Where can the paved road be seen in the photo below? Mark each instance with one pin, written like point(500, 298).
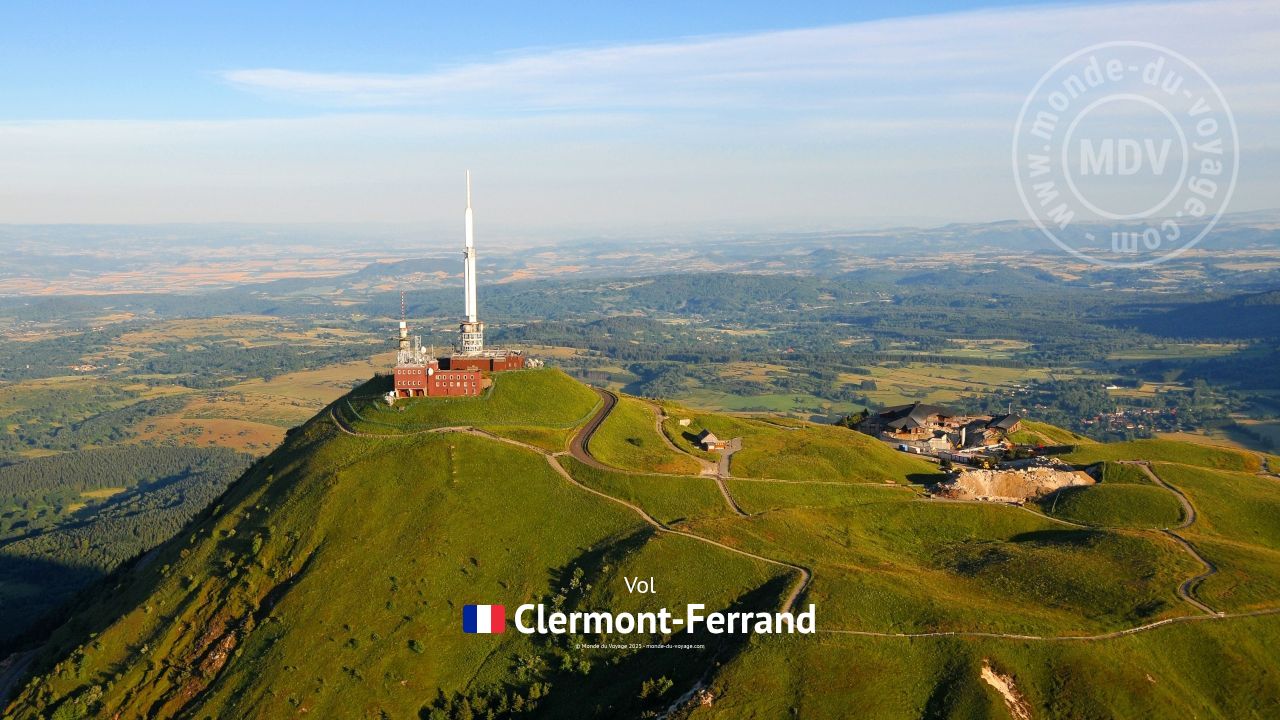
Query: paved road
point(578, 445)
point(719, 470)
point(580, 448)
point(731, 447)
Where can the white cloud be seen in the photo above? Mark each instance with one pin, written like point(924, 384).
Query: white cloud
point(836, 126)
point(958, 54)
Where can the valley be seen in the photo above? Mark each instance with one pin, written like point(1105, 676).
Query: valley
point(287, 373)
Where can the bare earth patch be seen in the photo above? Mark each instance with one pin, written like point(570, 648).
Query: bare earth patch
point(1012, 486)
point(1018, 707)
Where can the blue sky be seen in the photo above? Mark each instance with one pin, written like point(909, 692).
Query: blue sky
point(147, 60)
point(613, 118)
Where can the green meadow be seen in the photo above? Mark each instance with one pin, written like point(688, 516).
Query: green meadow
point(1118, 505)
point(1215, 669)
point(329, 580)
point(1166, 451)
point(666, 498)
point(801, 451)
point(627, 440)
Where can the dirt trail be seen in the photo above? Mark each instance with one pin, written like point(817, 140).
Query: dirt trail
point(1188, 586)
point(1265, 469)
point(805, 576)
point(579, 447)
point(1058, 638)
point(579, 442)
point(731, 447)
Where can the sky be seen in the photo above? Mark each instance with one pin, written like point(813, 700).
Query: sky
point(574, 118)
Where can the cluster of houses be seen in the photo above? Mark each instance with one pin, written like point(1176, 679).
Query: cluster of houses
point(1136, 420)
point(940, 431)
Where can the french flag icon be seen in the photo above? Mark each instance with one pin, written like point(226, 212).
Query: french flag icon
point(484, 619)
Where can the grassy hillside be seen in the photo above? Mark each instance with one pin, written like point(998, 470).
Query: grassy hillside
point(1209, 670)
point(361, 551)
point(802, 452)
point(1118, 505)
point(1115, 473)
point(757, 496)
point(1167, 451)
point(627, 439)
point(886, 560)
point(328, 582)
point(1038, 433)
point(668, 499)
point(1235, 506)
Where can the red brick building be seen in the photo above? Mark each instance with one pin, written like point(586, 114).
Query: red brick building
point(428, 380)
point(490, 361)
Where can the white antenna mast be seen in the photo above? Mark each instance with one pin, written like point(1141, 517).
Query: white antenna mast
point(469, 258)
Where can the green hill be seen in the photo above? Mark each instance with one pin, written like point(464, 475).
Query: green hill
point(627, 440)
point(1118, 505)
point(799, 451)
point(329, 580)
point(1168, 451)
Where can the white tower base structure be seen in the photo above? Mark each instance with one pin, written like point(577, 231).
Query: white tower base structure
point(471, 331)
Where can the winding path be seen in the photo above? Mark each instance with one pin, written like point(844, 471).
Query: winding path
point(579, 444)
point(580, 449)
point(1062, 638)
point(1188, 586)
point(718, 470)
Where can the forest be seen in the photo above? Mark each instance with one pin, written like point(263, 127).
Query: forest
point(68, 519)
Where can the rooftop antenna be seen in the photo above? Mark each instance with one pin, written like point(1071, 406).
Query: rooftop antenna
point(402, 317)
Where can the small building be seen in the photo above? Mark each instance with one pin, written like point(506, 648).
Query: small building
point(707, 440)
